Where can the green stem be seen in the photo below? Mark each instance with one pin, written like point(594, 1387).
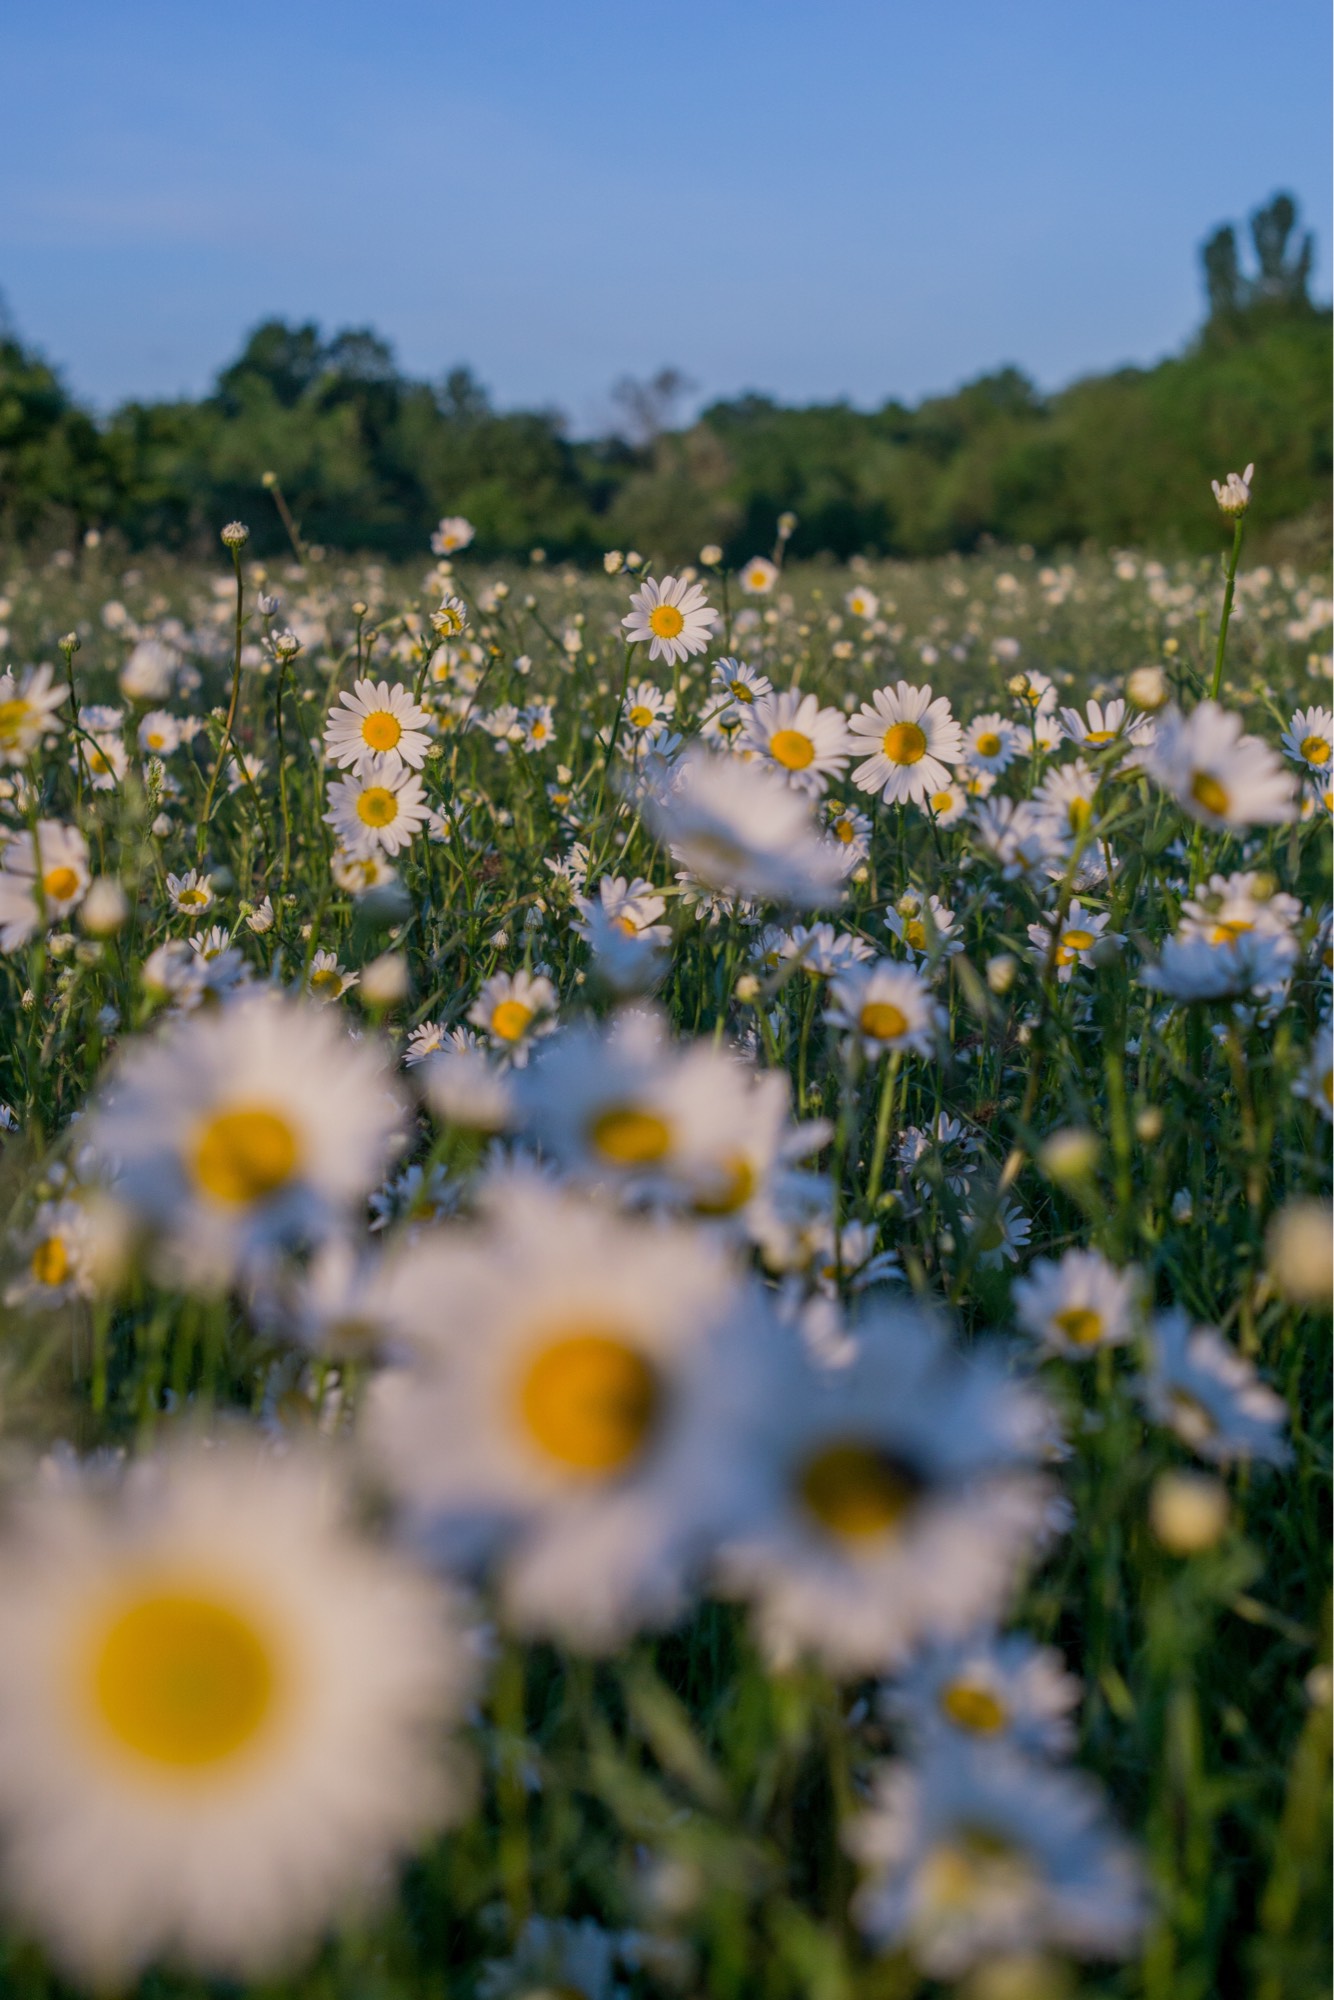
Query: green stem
point(1223, 622)
point(230, 723)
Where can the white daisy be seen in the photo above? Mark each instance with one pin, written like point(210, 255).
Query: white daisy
point(103, 758)
point(566, 1418)
point(621, 926)
point(378, 728)
point(736, 682)
point(758, 577)
point(1099, 725)
point(947, 806)
point(1228, 906)
point(887, 1007)
point(1251, 965)
point(792, 733)
point(974, 1853)
point(225, 1694)
point(43, 876)
point(539, 726)
point(1081, 932)
point(377, 812)
point(191, 894)
point(997, 1236)
point(159, 733)
point(236, 1130)
point(1309, 739)
point(1210, 1395)
point(671, 618)
point(1066, 799)
point(991, 743)
point(53, 1267)
point(453, 534)
point(28, 716)
point(898, 1500)
point(512, 1008)
point(646, 705)
point(915, 739)
point(465, 1089)
point(861, 602)
point(1079, 1305)
point(1218, 775)
point(740, 830)
point(924, 927)
point(849, 827)
point(358, 874)
point(987, 1688)
point(327, 979)
point(1316, 1082)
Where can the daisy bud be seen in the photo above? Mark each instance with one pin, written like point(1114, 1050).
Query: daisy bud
point(359, 609)
point(1188, 1511)
point(1183, 1205)
point(1001, 972)
point(1298, 1251)
point(1147, 688)
point(385, 980)
point(1021, 1976)
point(787, 524)
point(235, 535)
point(710, 555)
point(1149, 1124)
point(633, 559)
point(105, 907)
point(268, 480)
point(613, 562)
point(747, 987)
point(69, 644)
point(1234, 495)
point(286, 645)
point(1069, 1156)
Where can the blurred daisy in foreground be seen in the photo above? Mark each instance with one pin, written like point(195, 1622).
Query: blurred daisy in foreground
point(988, 1688)
point(620, 926)
point(1210, 1395)
point(1316, 1082)
point(211, 1684)
point(744, 832)
point(564, 1406)
point(1073, 944)
point(972, 1852)
point(1218, 775)
point(915, 740)
point(558, 1960)
point(53, 1268)
point(377, 728)
point(1079, 1305)
point(238, 1130)
point(672, 618)
point(899, 1500)
point(1251, 965)
point(43, 876)
point(1228, 906)
point(792, 733)
point(376, 811)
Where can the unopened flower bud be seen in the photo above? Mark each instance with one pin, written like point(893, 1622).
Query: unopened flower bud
point(786, 526)
point(710, 555)
point(385, 980)
point(1001, 971)
point(286, 645)
point(1299, 1252)
point(70, 643)
point(613, 562)
point(747, 987)
point(268, 480)
point(105, 907)
point(1234, 495)
point(1069, 1156)
point(1149, 1124)
point(1188, 1511)
point(1147, 688)
point(235, 535)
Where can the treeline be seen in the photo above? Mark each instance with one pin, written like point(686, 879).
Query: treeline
point(369, 459)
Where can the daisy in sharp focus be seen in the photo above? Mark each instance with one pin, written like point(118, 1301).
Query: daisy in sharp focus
point(513, 1008)
point(1080, 1305)
point(794, 735)
point(1210, 1395)
point(1309, 739)
point(973, 1853)
point(328, 980)
point(562, 1407)
point(915, 739)
point(28, 716)
point(1218, 775)
point(214, 1685)
point(986, 1688)
point(646, 706)
point(238, 1130)
point(1100, 724)
point(887, 1007)
point(377, 811)
point(191, 894)
point(671, 617)
point(43, 876)
point(377, 728)
point(898, 1500)
point(991, 743)
point(1080, 934)
point(742, 831)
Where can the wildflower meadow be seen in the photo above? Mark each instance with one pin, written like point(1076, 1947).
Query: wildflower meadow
point(666, 1274)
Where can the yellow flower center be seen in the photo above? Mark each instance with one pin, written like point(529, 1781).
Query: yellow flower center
point(914, 933)
point(858, 1491)
point(328, 980)
point(844, 831)
point(1081, 1325)
point(377, 806)
point(904, 743)
point(988, 744)
point(98, 761)
point(13, 715)
point(665, 621)
point(641, 716)
point(183, 1681)
point(1228, 929)
point(1078, 940)
point(1099, 735)
point(381, 730)
point(50, 1262)
point(1208, 793)
point(791, 749)
point(975, 1868)
point(974, 1708)
point(733, 1189)
point(628, 1136)
point(60, 884)
point(741, 691)
point(590, 1401)
point(509, 1020)
point(1078, 813)
point(941, 801)
point(1315, 749)
point(992, 1237)
point(192, 899)
point(882, 1020)
point(244, 1155)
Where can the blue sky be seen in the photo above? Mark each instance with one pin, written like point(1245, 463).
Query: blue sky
point(860, 197)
